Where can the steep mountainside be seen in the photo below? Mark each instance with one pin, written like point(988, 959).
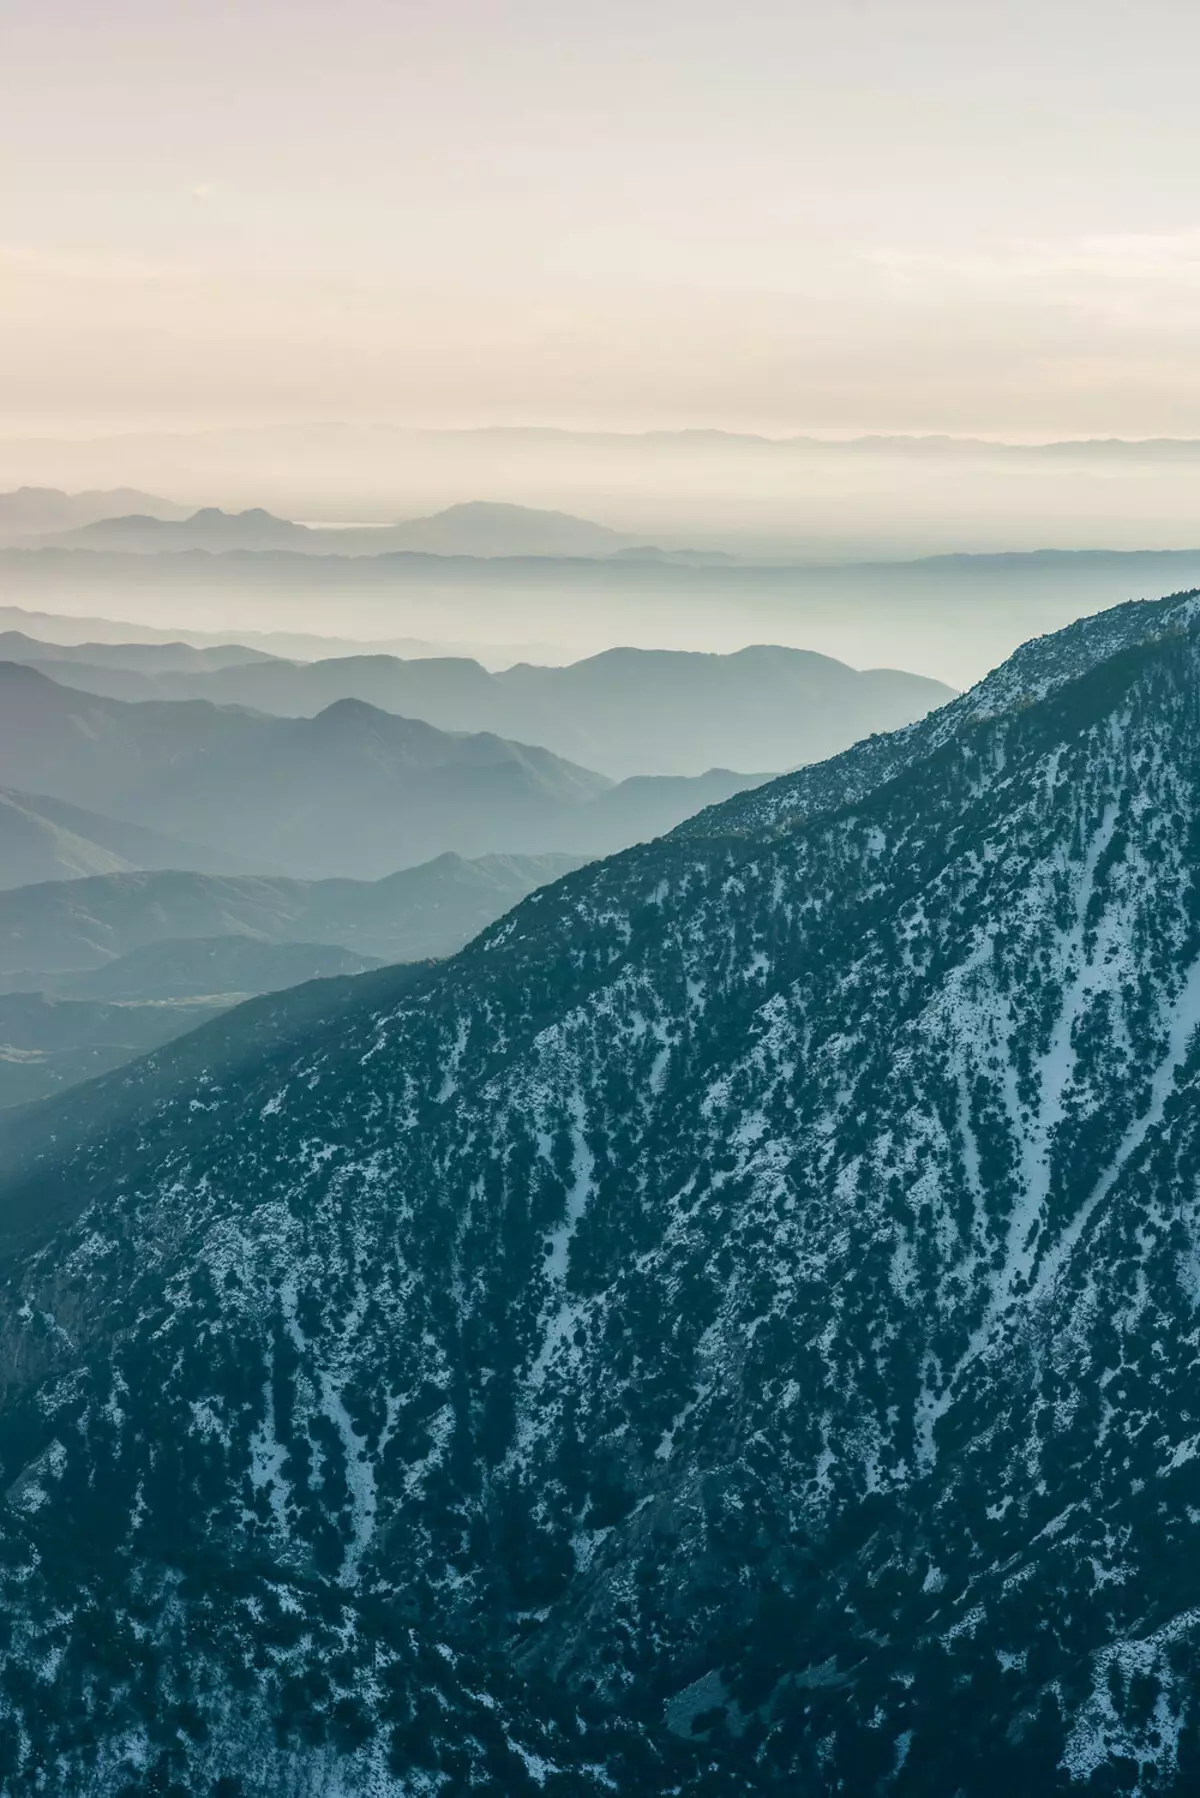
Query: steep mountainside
point(354, 791)
point(733, 1328)
point(626, 712)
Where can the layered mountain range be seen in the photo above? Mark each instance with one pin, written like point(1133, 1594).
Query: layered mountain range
point(354, 791)
point(625, 712)
point(40, 511)
point(732, 1328)
point(95, 971)
point(952, 615)
point(72, 928)
point(473, 528)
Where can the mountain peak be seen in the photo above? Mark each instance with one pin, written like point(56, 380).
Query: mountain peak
point(215, 515)
point(496, 528)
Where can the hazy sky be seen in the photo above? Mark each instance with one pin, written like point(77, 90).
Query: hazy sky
point(934, 215)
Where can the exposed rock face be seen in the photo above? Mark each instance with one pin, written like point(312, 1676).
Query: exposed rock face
point(736, 1327)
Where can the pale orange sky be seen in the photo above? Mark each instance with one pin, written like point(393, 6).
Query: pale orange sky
point(922, 216)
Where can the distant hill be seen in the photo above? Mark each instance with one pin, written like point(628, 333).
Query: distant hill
point(486, 528)
point(77, 633)
point(476, 528)
point(94, 972)
point(353, 791)
point(64, 933)
point(46, 839)
point(208, 529)
point(146, 658)
point(625, 712)
point(695, 558)
point(669, 711)
point(34, 511)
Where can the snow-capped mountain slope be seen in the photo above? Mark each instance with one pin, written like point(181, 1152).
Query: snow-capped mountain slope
point(735, 1327)
point(1037, 668)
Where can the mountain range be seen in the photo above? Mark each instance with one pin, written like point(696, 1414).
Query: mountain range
point(951, 616)
point(772, 498)
point(472, 528)
point(96, 971)
point(625, 712)
point(732, 1328)
point(353, 791)
point(35, 511)
point(65, 931)
point(147, 659)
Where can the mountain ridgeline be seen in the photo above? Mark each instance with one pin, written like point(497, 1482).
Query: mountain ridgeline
point(354, 791)
point(69, 928)
point(472, 528)
point(732, 1328)
point(625, 712)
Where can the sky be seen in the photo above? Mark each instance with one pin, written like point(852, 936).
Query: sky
point(843, 217)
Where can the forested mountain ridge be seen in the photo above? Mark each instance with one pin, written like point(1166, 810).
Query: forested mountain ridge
point(1038, 668)
point(731, 1328)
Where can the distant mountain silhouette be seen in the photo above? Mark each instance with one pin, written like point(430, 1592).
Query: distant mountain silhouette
point(354, 790)
point(94, 972)
point(64, 935)
point(476, 528)
point(697, 558)
point(30, 511)
point(636, 710)
point(146, 658)
point(209, 529)
point(625, 712)
point(487, 528)
point(76, 634)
